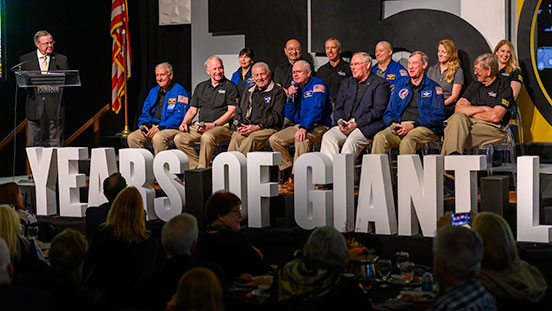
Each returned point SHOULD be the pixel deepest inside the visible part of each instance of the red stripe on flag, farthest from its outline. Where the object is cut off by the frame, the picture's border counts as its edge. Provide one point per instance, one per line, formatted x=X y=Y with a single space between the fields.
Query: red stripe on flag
x=120 y=53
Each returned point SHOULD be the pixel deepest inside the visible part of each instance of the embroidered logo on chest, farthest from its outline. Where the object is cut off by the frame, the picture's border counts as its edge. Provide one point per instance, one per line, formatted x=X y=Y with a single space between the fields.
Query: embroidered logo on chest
x=403 y=93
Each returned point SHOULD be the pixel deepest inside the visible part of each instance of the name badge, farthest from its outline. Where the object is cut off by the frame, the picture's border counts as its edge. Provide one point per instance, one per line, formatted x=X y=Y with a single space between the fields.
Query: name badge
x=222 y=91
x=341 y=73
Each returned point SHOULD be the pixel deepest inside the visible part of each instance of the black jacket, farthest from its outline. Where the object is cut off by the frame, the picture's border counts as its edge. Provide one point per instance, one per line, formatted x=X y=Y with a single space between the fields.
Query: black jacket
x=267 y=107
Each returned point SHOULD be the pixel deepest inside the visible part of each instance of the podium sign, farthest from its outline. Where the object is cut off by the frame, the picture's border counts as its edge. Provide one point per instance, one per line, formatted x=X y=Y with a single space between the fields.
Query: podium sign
x=65 y=78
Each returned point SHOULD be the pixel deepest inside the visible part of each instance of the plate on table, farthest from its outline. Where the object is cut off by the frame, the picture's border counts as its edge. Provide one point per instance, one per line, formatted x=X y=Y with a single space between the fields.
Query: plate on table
x=254 y=281
x=398 y=280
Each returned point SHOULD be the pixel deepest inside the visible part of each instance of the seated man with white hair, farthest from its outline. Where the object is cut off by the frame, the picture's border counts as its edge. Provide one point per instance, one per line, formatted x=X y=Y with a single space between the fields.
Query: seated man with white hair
x=457 y=256
x=359 y=109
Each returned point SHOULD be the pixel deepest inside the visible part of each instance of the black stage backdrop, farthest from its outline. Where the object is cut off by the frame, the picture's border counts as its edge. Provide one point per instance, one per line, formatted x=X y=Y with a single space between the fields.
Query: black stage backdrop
x=81 y=32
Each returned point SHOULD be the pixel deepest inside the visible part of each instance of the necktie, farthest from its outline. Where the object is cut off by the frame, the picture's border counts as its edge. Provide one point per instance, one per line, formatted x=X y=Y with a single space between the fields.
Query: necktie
x=44 y=63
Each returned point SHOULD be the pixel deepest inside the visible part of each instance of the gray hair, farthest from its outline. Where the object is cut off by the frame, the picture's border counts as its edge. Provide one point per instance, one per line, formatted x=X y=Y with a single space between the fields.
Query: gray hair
x=487 y=61
x=261 y=64
x=211 y=58
x=333 y=39
x=165 y=65
x=179 y=234
x=423 y=56
x=42 y=33
x=461 y=249
x=367 y=58
x=304 y=63
x=326 y=247
x=5 y=260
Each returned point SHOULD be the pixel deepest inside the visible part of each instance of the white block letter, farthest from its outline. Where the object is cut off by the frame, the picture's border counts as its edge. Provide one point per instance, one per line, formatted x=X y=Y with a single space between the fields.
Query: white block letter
x=465 y=169
x=230 y=169
x=375 y=196
x=313 y=208
x=343 y=192
x=528 y=228
x=420 y=192
x=166 y=164
x=259 y=188
x=70 y=181
x=136 y=166
x=103 y=164
x=43 y=162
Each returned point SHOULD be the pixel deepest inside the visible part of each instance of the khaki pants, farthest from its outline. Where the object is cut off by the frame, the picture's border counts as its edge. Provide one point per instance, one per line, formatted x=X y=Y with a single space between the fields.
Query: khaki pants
x=353 y=143
x=253 y=142
x=408 y=144
x=464 y=133
x=160 y=140
x=280 y=141
x=185 y=142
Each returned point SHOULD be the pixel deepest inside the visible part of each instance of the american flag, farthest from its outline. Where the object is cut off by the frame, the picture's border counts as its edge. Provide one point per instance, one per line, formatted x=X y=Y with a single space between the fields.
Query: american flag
x=120 y=52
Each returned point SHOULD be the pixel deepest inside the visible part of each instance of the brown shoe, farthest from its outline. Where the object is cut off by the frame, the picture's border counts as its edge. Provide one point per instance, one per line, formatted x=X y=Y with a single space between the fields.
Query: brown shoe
x=289 y=184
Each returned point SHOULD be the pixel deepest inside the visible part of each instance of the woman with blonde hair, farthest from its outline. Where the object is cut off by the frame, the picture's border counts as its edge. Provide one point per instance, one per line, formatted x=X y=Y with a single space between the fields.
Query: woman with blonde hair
x=508 y=65
x=448 y=73
x=121 y=252
x=199 y=289
x=503 y=273
x=24 y=253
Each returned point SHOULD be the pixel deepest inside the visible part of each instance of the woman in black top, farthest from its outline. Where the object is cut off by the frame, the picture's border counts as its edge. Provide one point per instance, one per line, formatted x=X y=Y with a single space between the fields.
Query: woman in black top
x=508 y=65
x=222 y=244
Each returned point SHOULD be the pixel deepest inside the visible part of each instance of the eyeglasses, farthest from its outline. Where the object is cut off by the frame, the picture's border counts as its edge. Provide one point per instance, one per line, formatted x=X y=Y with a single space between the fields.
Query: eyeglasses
x=479 y=70
x=47 y=43
x=298 y=71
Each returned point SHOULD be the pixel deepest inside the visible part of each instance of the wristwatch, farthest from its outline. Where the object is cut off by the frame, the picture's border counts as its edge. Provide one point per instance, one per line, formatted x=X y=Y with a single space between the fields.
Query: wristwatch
x=215 y=124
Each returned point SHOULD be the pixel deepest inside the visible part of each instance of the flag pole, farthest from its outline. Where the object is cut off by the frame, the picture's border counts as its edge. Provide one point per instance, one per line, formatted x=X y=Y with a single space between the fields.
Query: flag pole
x=126 y=131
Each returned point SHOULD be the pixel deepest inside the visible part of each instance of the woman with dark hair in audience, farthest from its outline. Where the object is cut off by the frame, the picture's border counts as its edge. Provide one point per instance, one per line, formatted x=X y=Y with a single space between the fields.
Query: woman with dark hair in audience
x=508 y=278
x=448 y=73
x=199 y=289
x=10 y=194
x=316 y=280
x=121 y=252
x=508 y=65
x=25 y=254
x=243 y=77
x=222 y=244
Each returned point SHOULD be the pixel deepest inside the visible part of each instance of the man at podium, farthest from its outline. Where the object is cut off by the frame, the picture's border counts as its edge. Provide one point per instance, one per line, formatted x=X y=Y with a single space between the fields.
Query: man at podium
x=44 y=108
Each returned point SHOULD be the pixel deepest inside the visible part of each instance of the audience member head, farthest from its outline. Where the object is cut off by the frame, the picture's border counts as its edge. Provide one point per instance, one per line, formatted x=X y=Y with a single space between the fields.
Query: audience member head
x=301 y=72
x=448 y=54
x=246 y=58
x=361 y=62
x=164 y=75
x=199 y=289
x=112 y=185
x=506 y=55
x=293 y=50
x=485 y=67
x=384 y=53
x=326 y=248
x=10 y=194
x=126 y=217
x=10 y=231
x=261 y=74
x=214 y=68
x=457 y=254
x=499 y=246
x=67 y=251
x=224 y=208
x=179 y=235
x=417 y=63
x=333 y=49
x=6 y=267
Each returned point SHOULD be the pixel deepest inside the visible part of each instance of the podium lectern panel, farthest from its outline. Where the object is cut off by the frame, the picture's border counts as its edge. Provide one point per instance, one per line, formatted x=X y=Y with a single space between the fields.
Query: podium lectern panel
x=64 y=78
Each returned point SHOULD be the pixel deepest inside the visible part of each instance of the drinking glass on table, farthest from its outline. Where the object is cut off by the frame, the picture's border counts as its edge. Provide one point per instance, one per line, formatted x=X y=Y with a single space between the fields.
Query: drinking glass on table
x=401 y=257
x=407 y=271
x=383 y=268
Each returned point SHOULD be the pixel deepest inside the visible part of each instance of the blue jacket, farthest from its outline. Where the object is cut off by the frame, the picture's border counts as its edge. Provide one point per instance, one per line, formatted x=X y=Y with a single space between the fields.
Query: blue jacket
x=430 y=104
x=249 y=82
x=369 y=113
x=393 y=73
x=312 y=107
x=174 y=107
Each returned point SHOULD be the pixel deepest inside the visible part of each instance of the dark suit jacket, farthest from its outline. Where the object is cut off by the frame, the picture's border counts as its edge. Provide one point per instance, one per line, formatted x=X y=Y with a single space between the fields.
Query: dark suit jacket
x=95 y=216
x=369 y=113
x=38 y=101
